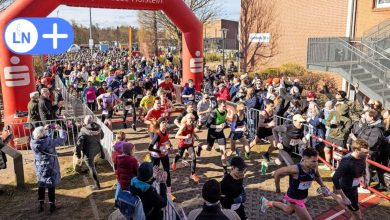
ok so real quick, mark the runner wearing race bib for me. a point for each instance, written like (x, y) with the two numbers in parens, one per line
(301, 177)
(186, 136)
(348, 176)
(160, 146)
(216, 123)
(291, 136)
(106, 102)
(238, 131)
(128, 97)
(266, 123)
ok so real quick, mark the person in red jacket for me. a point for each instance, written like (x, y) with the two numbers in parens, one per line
(223, 93)
(126, 167)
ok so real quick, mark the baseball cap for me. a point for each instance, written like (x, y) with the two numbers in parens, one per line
(311, 94)
(298, 118)
(238, 162)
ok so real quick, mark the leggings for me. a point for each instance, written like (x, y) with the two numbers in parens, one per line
(165, 163)
(193, 157)
(125, 112)
(51, 194)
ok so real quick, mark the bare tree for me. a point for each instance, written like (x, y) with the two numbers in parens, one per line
(257, 16)
(204, 9)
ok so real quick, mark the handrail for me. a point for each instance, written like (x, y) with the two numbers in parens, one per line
(375, 51)
(5, 4)
(376, 28)
(364, 58)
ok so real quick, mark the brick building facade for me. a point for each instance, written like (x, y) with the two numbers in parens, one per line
(212, 34)
(298, 20)
(370, 13)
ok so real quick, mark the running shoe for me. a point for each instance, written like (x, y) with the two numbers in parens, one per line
(263, 204)
(324, 167)
(173, 166)
(195, 178)
(266, 156)
(363, 190)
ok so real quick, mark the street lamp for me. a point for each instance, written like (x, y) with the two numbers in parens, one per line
(224, 32)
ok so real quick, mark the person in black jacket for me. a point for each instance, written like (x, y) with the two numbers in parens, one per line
(233, 193)
(152, 202)
(46, 109)
(128, 98)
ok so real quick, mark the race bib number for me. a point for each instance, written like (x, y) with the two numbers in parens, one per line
(91, 101)
(295, 142)
(304, 185)
(140, 96)
(356, 181)
(188, 140)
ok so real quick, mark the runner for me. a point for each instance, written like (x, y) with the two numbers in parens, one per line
(160, 147)
(238, 131)
(128, 98)
(292, 136)
(107, 102)
(266, 123)
(216, 123)
(301, 176)
(186, 136)
(349, 175)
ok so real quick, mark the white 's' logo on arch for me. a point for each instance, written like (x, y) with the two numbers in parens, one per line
(196, 64)
(16, 75)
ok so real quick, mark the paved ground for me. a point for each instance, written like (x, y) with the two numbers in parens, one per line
(77, 201)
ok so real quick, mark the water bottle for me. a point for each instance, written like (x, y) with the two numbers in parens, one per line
(264, 166)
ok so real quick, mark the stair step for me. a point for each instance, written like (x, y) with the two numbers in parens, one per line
(370, 81)
(362, 76)
(385, 93)
(357, 70)
(377, 87)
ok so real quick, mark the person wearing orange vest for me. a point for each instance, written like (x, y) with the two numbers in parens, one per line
(160, 147)
(186, 136)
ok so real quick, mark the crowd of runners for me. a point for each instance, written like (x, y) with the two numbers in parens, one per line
(286, 114)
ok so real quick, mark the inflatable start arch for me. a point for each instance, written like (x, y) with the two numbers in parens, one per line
(17, 71)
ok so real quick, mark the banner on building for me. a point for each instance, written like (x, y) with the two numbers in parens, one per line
(259, 37)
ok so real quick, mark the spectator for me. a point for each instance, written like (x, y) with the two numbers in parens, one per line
(152, 202)
(46, 109)
(211, 210)
(47, 168)
(33, 108)
(126, 166)
(222, 93)
(339, 125)
(235, 87)
(88, 143)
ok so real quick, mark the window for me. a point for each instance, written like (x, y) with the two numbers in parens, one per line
(382, 4)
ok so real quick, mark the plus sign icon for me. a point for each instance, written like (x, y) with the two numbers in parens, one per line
(38, 36)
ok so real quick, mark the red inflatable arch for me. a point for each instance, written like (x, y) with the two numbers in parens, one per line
(17, 71)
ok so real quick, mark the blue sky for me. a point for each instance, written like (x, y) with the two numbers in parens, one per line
(113, 17)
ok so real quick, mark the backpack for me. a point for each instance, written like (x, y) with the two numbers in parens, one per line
(90, 94)
(130, 206)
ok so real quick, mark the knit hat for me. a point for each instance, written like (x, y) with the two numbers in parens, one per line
(342, 94)
(145, 171)
(311, 95)
(127, 148)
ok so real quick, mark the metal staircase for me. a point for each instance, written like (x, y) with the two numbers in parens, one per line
(355, 62)
(378, 37)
